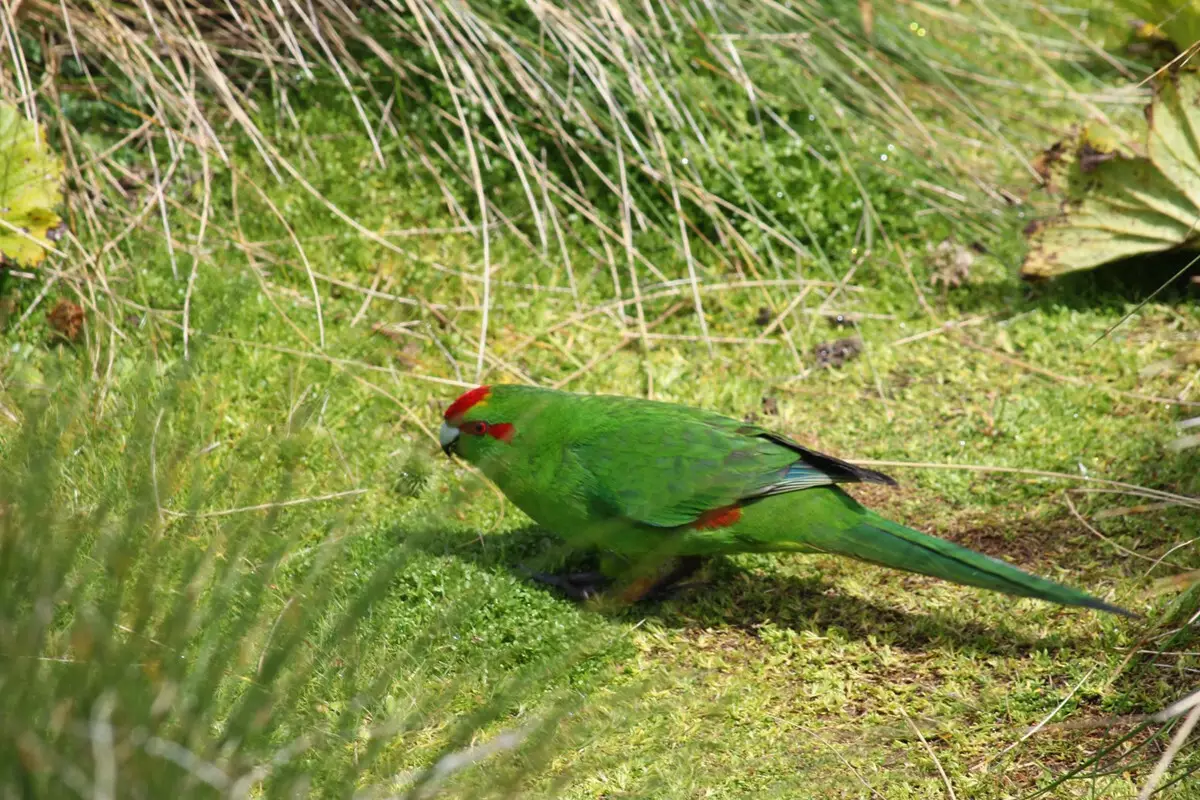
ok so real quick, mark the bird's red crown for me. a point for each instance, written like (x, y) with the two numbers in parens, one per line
(465, 403)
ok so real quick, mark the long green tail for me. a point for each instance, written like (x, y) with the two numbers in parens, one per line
(890, 544)
(836, 523)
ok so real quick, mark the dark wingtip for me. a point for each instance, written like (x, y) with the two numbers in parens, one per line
(839, 471)
(871, 476)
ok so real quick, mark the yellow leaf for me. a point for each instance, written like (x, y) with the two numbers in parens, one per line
(30, 178)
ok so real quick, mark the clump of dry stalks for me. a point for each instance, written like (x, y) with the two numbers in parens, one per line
(583, 102)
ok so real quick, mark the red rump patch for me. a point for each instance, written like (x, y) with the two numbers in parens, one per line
(718, 518)
(464, 404)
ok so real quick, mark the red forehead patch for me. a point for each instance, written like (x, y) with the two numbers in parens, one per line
(464, 404)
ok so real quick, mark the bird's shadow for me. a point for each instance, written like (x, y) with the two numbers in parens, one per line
(734, 595)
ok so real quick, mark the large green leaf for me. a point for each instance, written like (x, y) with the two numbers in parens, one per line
(1119, 203)
(30, 178)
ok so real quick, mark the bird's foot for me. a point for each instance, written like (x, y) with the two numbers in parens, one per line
(669, 584)
(592, 586)
(644, 591)
(576, 585)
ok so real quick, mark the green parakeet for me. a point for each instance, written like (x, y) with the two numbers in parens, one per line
(660, 483)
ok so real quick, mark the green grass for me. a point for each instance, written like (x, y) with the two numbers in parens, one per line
(351, 642)
(761, 684)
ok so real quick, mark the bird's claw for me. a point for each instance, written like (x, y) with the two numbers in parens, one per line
(576, 585)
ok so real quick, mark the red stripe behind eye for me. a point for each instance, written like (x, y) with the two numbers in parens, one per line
(463, 404)
(503, 431)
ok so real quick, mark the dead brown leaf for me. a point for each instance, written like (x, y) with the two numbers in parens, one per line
(67, 319)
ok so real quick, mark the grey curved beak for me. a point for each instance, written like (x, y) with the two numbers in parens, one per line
(447, 438)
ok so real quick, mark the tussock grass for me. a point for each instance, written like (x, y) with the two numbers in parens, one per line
(228, 652)
(685, 133)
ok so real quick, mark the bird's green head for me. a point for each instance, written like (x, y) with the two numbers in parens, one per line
(481, 426)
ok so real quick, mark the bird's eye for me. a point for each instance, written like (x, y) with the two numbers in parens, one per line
(479, 428)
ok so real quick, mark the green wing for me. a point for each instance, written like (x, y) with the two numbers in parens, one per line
(665, 466)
